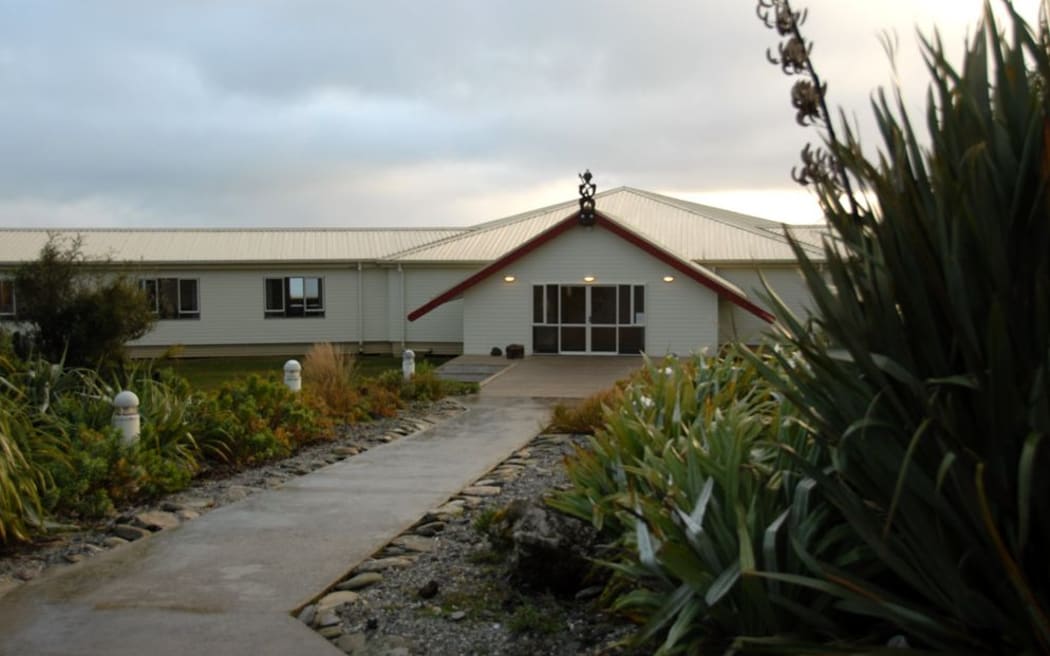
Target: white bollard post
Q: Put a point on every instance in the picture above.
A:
(408, 364)
(293, 375)
(126, 417)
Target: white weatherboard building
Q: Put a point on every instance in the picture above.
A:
(653, 274)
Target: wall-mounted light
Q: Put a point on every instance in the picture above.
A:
(588, 278)
(509, 278)
(668, 278)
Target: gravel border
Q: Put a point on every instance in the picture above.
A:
(439, 588)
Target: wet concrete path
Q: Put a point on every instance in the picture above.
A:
(227, 582)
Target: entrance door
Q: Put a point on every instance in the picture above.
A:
(603, 319)
(588, 319)
(573, 319)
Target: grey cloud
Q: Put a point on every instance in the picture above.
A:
(249, 111)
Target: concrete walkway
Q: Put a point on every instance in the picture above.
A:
(226, 583)
(560, 376)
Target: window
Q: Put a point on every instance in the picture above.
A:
(173, 298)
(297, 296)
(7, 298)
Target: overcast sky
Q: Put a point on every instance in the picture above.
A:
(388, 113)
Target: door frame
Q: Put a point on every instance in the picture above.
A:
(587, 325)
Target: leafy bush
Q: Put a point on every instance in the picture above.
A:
(100, 473)
(694, 477)
(426, 385)
(59, 454)
(65, 416)
(927, 369)
(254, 420)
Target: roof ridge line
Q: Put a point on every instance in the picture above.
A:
(766, 232)
(488, 226)
(569, 205)
(281, 229)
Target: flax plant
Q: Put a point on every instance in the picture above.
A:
(694, 477)
(928, 360)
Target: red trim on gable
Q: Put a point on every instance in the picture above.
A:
(683, 267)
(564, 226)
(550, 233)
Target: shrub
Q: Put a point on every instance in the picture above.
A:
(22, 480)
(254, 420)
(586, 416)
(426, 385)
(101, 473)
(65, 427)
(927, 369)
(693, 476)
(79, 317)
(328, 377)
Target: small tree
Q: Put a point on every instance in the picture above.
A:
(77, 311)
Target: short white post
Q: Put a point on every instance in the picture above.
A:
(408, 364)
(126, 417)
(293, 375)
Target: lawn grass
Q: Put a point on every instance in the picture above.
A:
(211, 373)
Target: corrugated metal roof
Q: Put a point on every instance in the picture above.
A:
(226, 245)
(489, 241)
(697, 232)
(810, 234)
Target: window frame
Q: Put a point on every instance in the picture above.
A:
(178, 313)
(306, 303)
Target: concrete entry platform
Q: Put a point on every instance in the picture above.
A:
(473, 368)
(225, 583)
(560, 376)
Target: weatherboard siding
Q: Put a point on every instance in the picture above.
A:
(232, 310)
(376, 305)
(738, 325)
(444, 324)
(681, 316)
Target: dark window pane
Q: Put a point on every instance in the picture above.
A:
(603, 305)
(603, 339)
(168, 298)
(537, 304)
(7, 297)
(552, 304)
(574, 339)
(625, 304)
(294, 306)
(275, 295)
(573, 305)
(639, 300)
(150, 287)
(188, 297)
(545, 339)
(632, 340)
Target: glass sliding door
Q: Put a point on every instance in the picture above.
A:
(603, 319)
(573, 318)
(588, 318)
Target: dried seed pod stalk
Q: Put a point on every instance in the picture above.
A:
(808, 97)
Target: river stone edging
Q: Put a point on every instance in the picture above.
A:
(438, 588)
